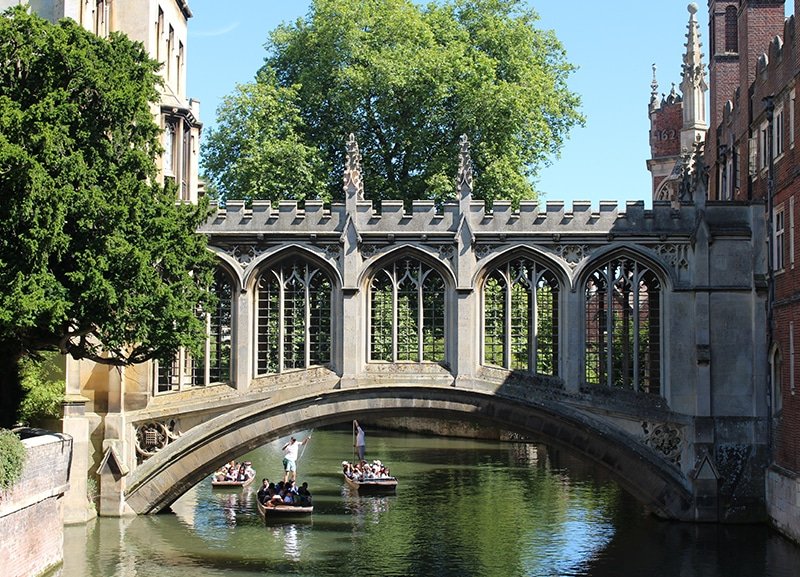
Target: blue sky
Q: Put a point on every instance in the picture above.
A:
(614, 44)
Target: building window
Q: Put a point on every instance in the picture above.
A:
(168, 56)
(169, 149)
(293, 317)
(791, 357)
(179, 67)
(791, 118)
(731, 30)
(101, 18)
(777, 133)
(791, 232)
(214, 364)
(763, 146)
(407, 313)
(159, 33)
(779, 239)
(777, 382)
(520, 317)
(623, 327)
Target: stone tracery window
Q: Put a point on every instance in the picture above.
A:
(293, 318)
(520, 316)
(214, 365)
(407, 313)
(623, 327)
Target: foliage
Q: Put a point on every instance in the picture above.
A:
(257, 149)
(407, 80)
(12, 458)
(97, 260)
(44, 386)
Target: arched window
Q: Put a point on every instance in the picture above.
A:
(520, 315)
(731, 30)
(407, 313)
(214, 364)
(293, 317)
(623, 327)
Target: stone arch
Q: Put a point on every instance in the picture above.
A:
(522, 250)
(162, 479)
(279, 253)
(383, 336)
(312, 340)
(399, 252)
(643, 369)
(226, 262)
(634, 252)
(534, 347)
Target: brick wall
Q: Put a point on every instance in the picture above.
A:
(31, 517)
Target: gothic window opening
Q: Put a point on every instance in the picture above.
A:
(731, 30)
(520, 318)
(213, 364)
(407, 313)
(293, 318)
(623, 327)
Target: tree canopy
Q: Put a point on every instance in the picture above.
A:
(97, 259)
(407, 80)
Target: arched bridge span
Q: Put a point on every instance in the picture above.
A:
(160, 480)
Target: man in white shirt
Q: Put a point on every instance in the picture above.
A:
(290, 451)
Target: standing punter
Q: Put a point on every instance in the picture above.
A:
(361, 443)
(290, 451)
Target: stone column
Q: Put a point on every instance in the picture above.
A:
(244, 342)
(77, 508)
(117, 453)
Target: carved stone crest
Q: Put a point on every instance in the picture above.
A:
(153, 436)
(666, 439)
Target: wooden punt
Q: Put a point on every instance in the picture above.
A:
(232, 484)
(372, 484)
(271, 513)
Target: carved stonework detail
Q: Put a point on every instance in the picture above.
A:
(153, 436)
(446, 251)
(665, 439)
(573, 253)
(353, 177)
(332, 251)
(244, 255)
(464, 164)
(368, 250)
(482, 250)
(675, 254)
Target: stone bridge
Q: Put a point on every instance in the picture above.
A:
(634, 338)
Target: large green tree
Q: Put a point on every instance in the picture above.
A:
(96, 259)
(407, 80)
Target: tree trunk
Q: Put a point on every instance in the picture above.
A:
(10, 383)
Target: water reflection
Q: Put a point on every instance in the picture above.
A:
(463, 508)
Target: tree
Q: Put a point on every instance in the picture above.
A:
(96, 260)
(407, 80)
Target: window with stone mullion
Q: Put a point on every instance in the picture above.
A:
(494, 304)
(433, 318)
(381, 318)
(319, 334)
(546, 323)
(294, 322)
(268, 324)
(408, 316)
(220, 331)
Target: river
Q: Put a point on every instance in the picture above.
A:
(463, 508)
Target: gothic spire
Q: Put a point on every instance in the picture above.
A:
(353, 177)
(464, 164)
(654, 90)
(693, 85)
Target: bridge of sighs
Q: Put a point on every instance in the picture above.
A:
(633, 337)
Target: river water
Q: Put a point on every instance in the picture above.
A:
(463, 508)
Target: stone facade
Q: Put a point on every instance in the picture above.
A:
(31, 513)
(754, 63)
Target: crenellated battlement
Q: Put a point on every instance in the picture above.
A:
(290, 218)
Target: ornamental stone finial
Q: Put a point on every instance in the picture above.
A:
(464, 178)
(353, 177)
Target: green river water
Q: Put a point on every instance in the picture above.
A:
(463, 508)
